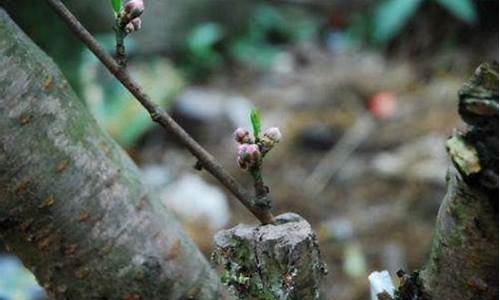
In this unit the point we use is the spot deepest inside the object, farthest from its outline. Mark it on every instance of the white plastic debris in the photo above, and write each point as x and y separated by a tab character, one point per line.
380	282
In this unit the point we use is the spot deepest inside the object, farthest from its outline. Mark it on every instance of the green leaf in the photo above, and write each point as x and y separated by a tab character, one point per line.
201	56
254	53
204	37
256	122
117	5
391	16
462	9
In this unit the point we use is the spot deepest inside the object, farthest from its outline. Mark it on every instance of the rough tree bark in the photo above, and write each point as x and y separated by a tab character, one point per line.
72	205
463	264
464	258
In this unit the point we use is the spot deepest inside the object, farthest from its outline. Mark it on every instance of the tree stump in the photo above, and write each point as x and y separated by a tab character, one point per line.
281	261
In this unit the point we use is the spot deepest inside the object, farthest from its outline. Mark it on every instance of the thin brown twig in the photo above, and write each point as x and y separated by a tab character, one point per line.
160	116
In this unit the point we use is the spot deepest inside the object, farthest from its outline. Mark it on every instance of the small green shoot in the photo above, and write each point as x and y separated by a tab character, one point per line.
256	122
117	6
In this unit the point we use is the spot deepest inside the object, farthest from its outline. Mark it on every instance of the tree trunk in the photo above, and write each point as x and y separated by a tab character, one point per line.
72	205
464	258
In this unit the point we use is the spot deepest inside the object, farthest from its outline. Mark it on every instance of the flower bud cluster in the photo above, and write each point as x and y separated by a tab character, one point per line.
251	150
130	17
249	156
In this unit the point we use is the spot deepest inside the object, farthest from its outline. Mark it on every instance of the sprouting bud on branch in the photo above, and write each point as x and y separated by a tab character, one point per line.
127	20
248	156
253	148
251	152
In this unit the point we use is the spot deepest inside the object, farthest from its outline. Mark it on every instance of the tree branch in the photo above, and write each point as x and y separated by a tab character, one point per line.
160	116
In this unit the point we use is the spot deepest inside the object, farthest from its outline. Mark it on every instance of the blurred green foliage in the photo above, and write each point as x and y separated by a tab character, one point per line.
462	9
202	56
390	17
268	31
382	24
263	37
256	43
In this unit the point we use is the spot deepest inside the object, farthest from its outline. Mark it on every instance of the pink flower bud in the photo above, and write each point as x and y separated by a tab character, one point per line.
271	137
248	155
134	9
273	134
242	136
